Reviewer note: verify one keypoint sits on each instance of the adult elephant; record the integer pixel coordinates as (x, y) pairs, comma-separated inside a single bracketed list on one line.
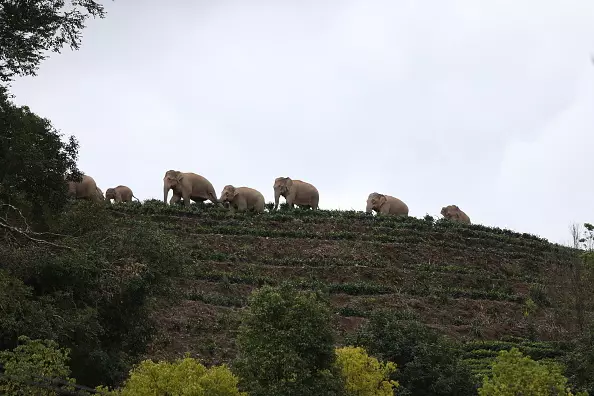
[(85, 189), (295, 192), (386, 204), (189, 186)]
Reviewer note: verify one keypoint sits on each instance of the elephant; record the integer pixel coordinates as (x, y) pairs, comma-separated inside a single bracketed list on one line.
[(296, 192), (120, 194), (85, 189), (454, 213), (243, 198), (100, 194), (386, 204), (188, 185)]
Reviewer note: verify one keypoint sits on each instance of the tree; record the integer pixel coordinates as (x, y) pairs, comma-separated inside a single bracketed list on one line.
[(33, 163), (96, 298), (286, 344), (429, 363), (514, 374), (29, 28), (364, 375), (181, 377), (29, 361)]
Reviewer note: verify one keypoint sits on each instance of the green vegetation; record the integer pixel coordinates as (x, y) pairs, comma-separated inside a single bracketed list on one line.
[(514, 374), (286, 344), (96, 292), (182, 377), (29, 28), (365, 375)]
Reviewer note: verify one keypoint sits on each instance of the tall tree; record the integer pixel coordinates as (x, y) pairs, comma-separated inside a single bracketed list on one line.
[(28, 28), (33, 162)]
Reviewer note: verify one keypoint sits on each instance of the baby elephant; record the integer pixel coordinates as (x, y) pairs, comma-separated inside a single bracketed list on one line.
[(453, 212), (243, 198), (120, 194), (386, 204)]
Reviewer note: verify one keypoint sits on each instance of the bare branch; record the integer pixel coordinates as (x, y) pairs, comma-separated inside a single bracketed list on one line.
[(27, 232)]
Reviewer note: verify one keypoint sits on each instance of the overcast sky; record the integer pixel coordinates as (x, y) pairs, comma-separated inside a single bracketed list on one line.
[(485, 104)]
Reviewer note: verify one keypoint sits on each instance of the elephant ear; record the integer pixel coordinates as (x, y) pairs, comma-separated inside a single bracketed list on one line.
[(288, 182), (179, 176), (443, 211), (382, 199)]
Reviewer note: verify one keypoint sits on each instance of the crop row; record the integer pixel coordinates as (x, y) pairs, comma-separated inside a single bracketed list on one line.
[(362, 287), (412, 237), (207, 210)]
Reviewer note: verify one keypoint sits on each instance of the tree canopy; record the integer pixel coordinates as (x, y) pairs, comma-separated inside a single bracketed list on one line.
[(30, 28)]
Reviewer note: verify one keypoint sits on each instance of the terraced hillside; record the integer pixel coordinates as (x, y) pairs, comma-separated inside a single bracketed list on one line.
[(472, 282)]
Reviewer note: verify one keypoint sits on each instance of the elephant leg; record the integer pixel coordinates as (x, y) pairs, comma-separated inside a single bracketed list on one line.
[(186, 197), (174, 199), (241, 205), (118, 197), (290, 201)]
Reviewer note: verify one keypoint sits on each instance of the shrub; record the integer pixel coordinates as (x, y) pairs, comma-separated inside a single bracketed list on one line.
[(29, 361), (183, 377), (364, 375), (286, 344), (429, 364), (513, 373), (96, 297)]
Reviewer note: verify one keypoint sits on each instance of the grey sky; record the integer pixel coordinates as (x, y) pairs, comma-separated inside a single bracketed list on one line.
[(485, 104)]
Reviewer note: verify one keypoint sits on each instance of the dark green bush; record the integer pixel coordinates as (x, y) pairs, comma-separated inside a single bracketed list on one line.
[(428, 363)]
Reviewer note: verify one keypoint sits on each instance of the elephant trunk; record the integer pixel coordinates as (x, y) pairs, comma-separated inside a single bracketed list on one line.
[(276, 198), (165, 192), (369, 207)]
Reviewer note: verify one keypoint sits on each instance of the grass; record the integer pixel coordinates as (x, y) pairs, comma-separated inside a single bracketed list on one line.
[(471, 281)]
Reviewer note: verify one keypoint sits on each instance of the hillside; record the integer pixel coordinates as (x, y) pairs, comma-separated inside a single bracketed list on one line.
[(471, 282)]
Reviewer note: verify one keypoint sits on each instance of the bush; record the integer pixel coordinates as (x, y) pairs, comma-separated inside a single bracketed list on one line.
[(286, 344), (514, 374), (182, 377), (30, 361), (96, 297), (364, 375), (429, 364)]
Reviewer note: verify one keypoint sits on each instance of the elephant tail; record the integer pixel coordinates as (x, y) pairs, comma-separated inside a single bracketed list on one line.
[(134, 196)]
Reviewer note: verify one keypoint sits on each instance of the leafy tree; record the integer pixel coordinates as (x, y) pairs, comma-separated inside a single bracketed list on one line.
[(96, 297), (33, 162), (30, 28), (29, 361), (364, 375), (514, 374), (429, 364), (182, 377), (579, 362), (286, 344)]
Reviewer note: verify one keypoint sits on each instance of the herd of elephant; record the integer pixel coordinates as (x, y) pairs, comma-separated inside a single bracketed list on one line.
[(188, 186)]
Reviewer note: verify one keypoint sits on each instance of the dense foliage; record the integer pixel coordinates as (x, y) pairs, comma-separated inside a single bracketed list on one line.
[(429, 364), (33, 163), (94, 298), (515, 374), (30, 28), (30, 363), (286, 344), (364, 375), (181, 377)]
